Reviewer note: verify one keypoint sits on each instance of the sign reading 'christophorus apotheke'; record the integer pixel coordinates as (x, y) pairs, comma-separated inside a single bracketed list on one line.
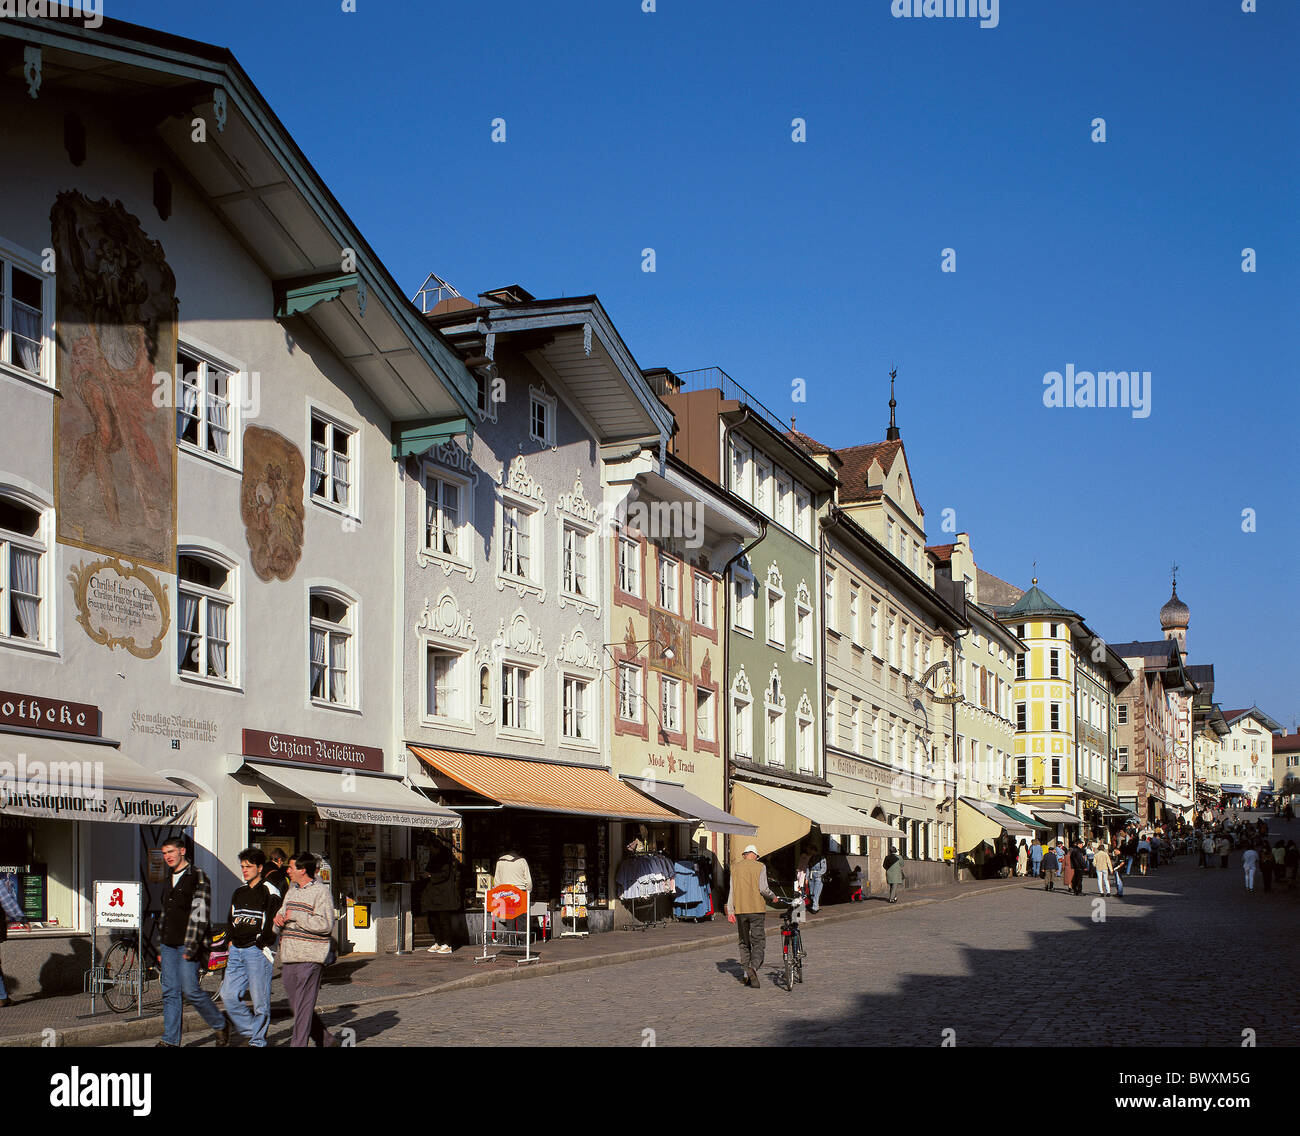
[(312, 751)]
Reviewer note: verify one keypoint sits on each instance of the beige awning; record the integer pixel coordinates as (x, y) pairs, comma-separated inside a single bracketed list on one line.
[(974, 826), (798, 813), (360, 799)]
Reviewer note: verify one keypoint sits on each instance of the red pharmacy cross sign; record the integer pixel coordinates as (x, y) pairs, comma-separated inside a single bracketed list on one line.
[(506, 901)]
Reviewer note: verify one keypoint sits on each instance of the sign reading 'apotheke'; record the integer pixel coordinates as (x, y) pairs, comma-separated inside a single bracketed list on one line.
[(35, 713), (312, 751)]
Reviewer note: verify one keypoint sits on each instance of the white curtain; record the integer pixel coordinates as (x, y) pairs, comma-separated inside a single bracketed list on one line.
[(27, 330), (217, 639), (338, 668), (317, 662), (187, 627), (188, 407), (27, 570), (218, 424), (340, 479), (317, 470)]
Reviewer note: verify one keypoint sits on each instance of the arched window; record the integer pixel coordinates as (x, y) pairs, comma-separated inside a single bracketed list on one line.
[(332, 630), (205, 622), (22, 571)]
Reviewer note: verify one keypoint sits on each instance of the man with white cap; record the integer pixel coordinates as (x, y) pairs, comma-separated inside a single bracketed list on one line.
[(746, 909)]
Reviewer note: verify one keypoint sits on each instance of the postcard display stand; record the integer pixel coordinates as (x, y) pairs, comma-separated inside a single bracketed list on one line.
[(573, 895)]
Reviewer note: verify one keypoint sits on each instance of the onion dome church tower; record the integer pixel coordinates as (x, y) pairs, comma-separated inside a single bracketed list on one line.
[(1174, 617)]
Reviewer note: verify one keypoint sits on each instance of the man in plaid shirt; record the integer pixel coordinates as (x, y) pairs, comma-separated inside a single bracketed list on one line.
[(10, 912), (186, 922)]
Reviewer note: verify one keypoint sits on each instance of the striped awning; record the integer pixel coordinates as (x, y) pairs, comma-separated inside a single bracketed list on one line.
[(545, 786)]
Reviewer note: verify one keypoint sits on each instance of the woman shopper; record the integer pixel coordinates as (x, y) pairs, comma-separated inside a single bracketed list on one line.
[(894, 876), (1102, 862), (1249, 862), (1067, 865), (1022, 859)]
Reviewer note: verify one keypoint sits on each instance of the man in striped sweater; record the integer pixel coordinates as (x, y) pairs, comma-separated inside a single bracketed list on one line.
[(305, 922)]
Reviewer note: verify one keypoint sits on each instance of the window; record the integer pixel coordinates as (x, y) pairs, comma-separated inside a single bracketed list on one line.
[(1054, 664), (1054, 631), (775, 736), (541, 418), (576, 581), (742, 470), (875, 737), (803, 630), (1056, 771), (703, 601), (742, 725), (875, 631), (203, 404), (832, 726), (331, 462), (784, 500), (1020, 664), (446, 694), (442, 516), (889, 533), (775, 616), (1121, 716), (832, 618), (906, 634), (516, 698), (803, 740), (670, 705), (803, 512), (577, 719), (742, 588), (1123, 759), (916, 655), (855, 728), (1022, 717), (22, 571), (516, 541), (763, 484), (892, 642), (1056, 716), (23, 317), (704, 724), (916, 554), (668, 571), (203, 623), (483, 403), (629, 692), (855, 628), (1022, 771), (629, 565), (331, 649)]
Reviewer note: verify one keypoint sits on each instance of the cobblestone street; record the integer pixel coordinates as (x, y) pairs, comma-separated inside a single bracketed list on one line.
[(1012, 967)]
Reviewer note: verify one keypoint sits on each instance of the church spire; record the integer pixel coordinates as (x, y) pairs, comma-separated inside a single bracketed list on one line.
[(892, 433)]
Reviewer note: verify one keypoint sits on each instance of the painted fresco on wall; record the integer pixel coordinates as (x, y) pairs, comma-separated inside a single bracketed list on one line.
[(115, 441), (668, 632), (270, 502)]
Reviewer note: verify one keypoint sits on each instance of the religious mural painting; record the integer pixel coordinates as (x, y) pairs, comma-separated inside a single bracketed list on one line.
[(271, 502)]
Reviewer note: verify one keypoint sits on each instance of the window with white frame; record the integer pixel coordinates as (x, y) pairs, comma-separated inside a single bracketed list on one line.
[(333, 449), (803, 637), (670, 704), (705, 727), (832, 617), (629, 565), (517, 541), (703, 600), (855, 628), (784, 500), (25, 303), (576, 580), (1020, 664), (445, 673), (1056, 771), (541, 418), (889, 533), (876, 736), (1054, 664), (855, 727), (805, 751), (775, 615), (763, 485), (1022, 717), (903, 654), (443, 519), (891, 641), (669, 582), (832, 717), (576, 725), (803, 512), (629, 692), (916, 654), (742, 726), (204, 404), (1121, 714), (742, 469), (742, 588), (1022, 771), (518, 709), (775, 736), (332, 631), (1056, 716), (23, 549), (875, 631), (204, 623)]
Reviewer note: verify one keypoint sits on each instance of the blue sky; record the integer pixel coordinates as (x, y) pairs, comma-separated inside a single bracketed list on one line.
[(821, 260)]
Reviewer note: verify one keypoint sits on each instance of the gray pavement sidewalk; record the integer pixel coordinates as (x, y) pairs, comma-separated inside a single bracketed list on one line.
[(363, 979)]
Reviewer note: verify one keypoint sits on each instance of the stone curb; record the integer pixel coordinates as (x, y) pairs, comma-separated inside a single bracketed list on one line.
[(109, 1033)]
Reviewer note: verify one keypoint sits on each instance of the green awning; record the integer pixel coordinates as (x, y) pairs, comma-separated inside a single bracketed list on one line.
[(1017, 815), (418, 437), (293, 299)]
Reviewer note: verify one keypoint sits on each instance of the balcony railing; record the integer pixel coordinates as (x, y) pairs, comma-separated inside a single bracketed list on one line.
[(711, 378)]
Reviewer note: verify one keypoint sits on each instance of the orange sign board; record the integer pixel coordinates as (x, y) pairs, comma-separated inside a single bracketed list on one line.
[(506, 901)]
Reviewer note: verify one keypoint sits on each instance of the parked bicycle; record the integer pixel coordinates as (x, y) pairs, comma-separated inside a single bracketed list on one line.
[(792, 952), (124, 975)]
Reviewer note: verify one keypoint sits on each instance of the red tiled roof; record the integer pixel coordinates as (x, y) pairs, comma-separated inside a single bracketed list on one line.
[(1288, 744), (810, 444), (858, 461), (940, 551)]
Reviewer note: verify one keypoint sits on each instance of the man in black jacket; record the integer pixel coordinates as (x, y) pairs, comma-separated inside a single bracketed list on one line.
[(252, 935), (1079, 862), (186, 922)]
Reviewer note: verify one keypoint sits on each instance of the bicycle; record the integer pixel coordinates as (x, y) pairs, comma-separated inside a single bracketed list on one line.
[(126, 980), (792, 952)]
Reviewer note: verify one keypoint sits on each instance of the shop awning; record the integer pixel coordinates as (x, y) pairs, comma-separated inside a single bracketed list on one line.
[(1177, 800), (785, 815), (675, 797), (370, 800), (1053, 817), (915, 808), (62, 780), (1021, 818), (975, 826), (546, 786)]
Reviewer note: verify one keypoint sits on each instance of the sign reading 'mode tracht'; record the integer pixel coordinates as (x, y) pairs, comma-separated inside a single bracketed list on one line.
[(312, 751)]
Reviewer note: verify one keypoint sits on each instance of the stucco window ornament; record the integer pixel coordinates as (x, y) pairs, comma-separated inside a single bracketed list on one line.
[(576, 650), (520, 506), (576, 505), (445, 619), (579, 567), (520, 638), (773, 694), (804, 709), (774, 579), (485, 669), (457, 508), (517, 480), (803, 595), (740, 684)]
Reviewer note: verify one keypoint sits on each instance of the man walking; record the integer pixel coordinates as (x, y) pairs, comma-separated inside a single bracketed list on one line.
[(252, 935), (186, 923), (1036, 857), (1102, 862), (10, 912), (1207, 849), (1079, 863), (1049, 869), (746, 909), (274, 874), (306, 922), (1249, 862)]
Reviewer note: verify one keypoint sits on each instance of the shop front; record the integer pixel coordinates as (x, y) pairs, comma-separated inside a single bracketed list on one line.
[(557, 818), (989, 835), (336, 801), (1061, 823), (73, 809)]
